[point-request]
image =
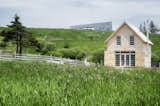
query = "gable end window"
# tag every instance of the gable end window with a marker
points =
(118, 40)
(131, 40)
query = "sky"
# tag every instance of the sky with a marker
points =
(65, 13)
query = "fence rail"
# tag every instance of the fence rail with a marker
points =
(11, 57)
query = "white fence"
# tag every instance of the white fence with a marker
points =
(11, 57)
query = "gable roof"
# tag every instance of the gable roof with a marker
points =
(135, 30)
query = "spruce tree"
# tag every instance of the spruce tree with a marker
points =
(153, 27)
(18, 34)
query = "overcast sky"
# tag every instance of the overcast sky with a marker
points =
(64, 13)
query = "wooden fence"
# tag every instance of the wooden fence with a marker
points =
(11, 57)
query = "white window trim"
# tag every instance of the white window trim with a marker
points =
(132, 43)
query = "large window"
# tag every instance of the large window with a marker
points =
(118, 40)
(125, 58)
(131, 40)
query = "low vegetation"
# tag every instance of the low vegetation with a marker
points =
(34, 83)
(70, 53)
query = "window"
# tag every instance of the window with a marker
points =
(125, 58)
(132, 59)
(117, 59)
(118, 40)
(131, 40)
(122, 59)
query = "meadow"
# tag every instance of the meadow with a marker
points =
(32, 83)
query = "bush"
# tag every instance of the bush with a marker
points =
(156, 56)
(39, 47)
(48, 48)
(98, 57)
(66, 45)
(3, 44)
(72, 53)
(56, 54)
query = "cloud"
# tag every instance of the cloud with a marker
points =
(63, 13)
(81, 4)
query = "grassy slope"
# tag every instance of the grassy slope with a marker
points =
(156, 40)
(85, 40)
(35, 83)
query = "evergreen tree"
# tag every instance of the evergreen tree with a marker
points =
(153, 27)
(17, 34)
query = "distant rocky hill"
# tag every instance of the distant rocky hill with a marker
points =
(104, 26)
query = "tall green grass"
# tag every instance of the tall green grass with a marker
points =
(32, 83)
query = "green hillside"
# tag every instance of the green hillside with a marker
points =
(25, 83)
(87, 41)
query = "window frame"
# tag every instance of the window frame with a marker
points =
(132, 40)
(118, 40)
(119, 58)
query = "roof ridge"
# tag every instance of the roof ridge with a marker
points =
(141, 34)
(135, 29)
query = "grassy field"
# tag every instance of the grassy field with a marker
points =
(38, 84)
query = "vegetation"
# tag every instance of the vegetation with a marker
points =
(17, 34)
(155, 38)
(86, 41)
(153, 27)
(148, 25)
(27, 83)
(64, 38)
(98, 56)
(71, 53)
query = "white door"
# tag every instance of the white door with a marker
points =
(125, 61)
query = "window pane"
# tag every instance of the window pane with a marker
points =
(127, 60)
(132, 59)
(122, 60)
(118, 40)
(117, 60)
(131, 40)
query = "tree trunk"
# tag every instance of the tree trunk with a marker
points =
(17, 44)
(20, 44)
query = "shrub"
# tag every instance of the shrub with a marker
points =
(48, 48)
(39, 47)
(66, 45)
(72, 53)
(3, 44)
(98, 56)
(56, 54)
(156, 56)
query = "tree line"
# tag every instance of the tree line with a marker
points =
(150, 26)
